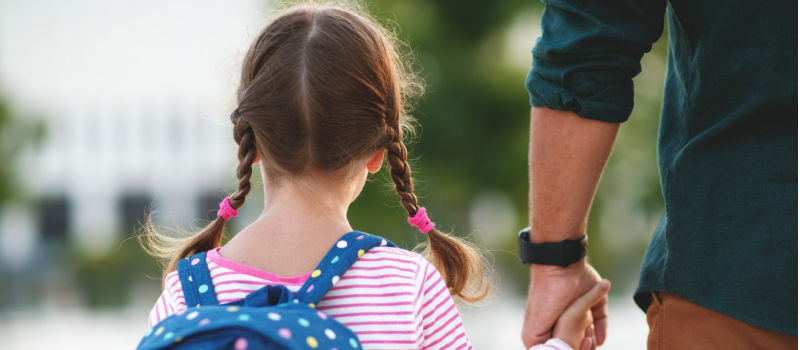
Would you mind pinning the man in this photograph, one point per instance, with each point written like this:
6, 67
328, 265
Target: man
720, 271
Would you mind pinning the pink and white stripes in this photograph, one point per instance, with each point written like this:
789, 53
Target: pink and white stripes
391, 298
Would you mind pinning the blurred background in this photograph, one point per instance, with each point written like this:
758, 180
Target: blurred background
113, 109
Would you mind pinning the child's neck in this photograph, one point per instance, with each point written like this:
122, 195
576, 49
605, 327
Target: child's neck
295, 230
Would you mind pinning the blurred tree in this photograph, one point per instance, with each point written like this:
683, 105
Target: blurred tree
16, 133
110, 280
473, 134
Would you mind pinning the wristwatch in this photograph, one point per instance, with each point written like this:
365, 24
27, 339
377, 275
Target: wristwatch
562, 253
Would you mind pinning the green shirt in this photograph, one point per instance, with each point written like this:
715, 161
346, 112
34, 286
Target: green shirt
727, 140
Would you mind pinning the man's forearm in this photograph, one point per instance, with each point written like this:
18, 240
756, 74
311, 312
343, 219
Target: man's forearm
567, 157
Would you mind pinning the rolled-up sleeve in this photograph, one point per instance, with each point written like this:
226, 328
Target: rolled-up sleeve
589, 53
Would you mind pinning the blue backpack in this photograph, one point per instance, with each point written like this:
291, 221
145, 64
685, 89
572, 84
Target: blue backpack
269, 318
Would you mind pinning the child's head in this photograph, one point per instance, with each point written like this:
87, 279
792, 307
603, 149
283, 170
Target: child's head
322, 89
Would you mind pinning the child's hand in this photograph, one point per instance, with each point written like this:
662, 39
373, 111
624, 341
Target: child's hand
573, 326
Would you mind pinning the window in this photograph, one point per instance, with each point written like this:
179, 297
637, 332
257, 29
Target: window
54, 220
133, 209
208, 205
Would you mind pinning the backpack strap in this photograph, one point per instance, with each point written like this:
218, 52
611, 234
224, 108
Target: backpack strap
196, 282
339, 259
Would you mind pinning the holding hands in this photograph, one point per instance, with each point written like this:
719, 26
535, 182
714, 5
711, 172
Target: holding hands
576, 325
566, 303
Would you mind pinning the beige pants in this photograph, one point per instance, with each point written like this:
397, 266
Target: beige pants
677, 323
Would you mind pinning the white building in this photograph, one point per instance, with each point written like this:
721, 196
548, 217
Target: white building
136, 97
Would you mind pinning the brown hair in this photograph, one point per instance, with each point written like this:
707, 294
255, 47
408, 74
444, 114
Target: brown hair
322, 87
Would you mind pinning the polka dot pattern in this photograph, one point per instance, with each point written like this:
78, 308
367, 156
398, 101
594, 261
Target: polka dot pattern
241, 344
313, 336
285, 333
291, 320
312, 342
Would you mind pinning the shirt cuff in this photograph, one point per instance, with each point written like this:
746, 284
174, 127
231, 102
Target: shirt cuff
610, 103
552, 344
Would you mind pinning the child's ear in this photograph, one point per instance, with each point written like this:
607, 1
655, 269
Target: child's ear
256, 158
375, 162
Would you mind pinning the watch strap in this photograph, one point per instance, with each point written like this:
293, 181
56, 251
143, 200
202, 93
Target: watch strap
562, 253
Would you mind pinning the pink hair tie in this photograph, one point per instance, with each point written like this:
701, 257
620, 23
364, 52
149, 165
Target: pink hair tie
226, 211
421, 221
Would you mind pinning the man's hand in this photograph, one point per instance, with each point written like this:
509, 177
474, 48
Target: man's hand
552, 289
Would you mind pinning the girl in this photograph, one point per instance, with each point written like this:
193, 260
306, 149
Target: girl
321, 102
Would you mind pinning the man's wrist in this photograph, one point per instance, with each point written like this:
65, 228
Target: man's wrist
542, 232
537, 270
563, 253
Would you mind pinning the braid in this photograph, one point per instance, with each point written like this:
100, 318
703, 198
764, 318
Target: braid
246, 154
462, 267
397, 156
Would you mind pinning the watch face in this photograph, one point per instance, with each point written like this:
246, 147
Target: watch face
525, 233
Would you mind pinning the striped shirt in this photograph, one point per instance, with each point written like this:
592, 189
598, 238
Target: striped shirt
391, 298
552, 344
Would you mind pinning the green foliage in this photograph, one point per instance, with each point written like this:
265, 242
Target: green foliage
15, 134
107, 280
